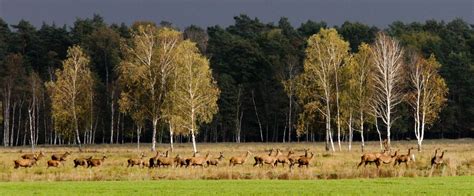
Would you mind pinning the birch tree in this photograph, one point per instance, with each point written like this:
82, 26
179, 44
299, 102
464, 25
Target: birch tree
70, 93
387, 79
359, 70
326, 50
428, 93
195, 94
148, 62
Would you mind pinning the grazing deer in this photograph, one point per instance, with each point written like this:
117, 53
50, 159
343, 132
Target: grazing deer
136, 161
215, 162
25, 162
283, 159
404, 158
259, 158
304, 161
371, 158
61, 157
239, 160
95, 162
199, 160
81, 162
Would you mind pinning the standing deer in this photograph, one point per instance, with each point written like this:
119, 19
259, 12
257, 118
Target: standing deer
436, 161
283, 159
95, 162
304, 161
370, 158
404, 158
137, 161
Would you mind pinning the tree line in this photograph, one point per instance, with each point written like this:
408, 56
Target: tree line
257, 82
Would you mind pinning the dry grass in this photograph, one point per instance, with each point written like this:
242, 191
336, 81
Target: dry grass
339, 165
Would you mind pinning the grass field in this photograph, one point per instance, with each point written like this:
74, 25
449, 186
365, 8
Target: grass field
338, 165
460, 185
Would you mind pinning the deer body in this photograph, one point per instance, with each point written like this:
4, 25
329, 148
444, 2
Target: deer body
25, 162
239, 160
95, 162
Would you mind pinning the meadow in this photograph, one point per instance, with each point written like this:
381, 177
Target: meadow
460, 185
459, 161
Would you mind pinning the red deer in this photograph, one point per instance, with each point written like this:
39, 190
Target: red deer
294, 159
95, 162
199, 161
31, 156
215, 162
260, 158
60, 157
25, 162
81, 162
239, 160
283, 159
370, 158
304, 161
54, 163
136, 161
404, 158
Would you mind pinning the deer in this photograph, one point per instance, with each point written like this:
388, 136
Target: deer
25, 162
61, 157
304, 161
54, 163
215, 162
165, 161
294, 159
386, 159
31, 156
283, 159
270, 160
81, 162
95, 162
153, 159
259, 158
180, 161
404, 158
370, 158
436, 161
239, 160
199, 160
188, 160
137, 161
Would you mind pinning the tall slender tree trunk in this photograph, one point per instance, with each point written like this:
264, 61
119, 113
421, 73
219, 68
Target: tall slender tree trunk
112, 111
350, 131
193, 131
378, 132
258, 119
32, 137
153, 139
13, 124
171, 137
6, 116
76, 124
139, 132
362, 130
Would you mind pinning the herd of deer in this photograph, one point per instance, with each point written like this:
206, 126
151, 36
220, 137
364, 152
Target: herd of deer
28, 160
273, 158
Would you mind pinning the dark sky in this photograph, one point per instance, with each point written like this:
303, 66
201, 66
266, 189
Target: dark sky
211, 12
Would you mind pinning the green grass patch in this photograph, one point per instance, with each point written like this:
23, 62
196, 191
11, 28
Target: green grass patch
462, 185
